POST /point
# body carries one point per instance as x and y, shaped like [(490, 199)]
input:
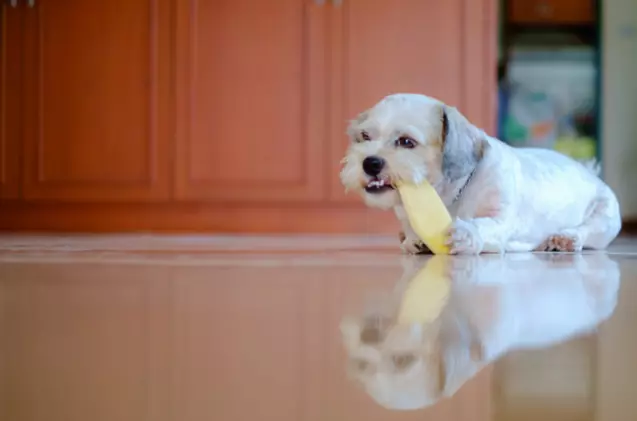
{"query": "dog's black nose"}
[(373, 165)]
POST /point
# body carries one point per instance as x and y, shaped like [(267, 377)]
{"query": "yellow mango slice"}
[(427, 215), (427, 293)]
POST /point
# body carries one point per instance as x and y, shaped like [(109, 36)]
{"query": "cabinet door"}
[(10, 47), (97, 120), (444, 49), (250, 92)]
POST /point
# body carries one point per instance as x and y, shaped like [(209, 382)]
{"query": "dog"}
[(493, 308), (501, 199)]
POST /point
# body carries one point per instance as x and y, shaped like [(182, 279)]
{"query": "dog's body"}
[(502, 199)]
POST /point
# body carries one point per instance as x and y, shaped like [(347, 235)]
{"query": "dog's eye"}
[(365, 136), (405, 142)]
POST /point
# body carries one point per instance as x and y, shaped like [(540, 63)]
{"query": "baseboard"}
[(171, 218), (205, 218)]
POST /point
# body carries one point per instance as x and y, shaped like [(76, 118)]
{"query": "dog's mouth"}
[(378, 185)]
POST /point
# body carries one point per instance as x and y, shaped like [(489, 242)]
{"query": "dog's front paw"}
[(414, 245), (463, 238)]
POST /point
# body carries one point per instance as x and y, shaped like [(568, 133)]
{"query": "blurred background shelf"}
[(549, 76)]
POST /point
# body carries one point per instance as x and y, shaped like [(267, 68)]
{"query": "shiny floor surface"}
[(311, 328)]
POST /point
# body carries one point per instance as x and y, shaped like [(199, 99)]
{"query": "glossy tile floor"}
[(311, 328)]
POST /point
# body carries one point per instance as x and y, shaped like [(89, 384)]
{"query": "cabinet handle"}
[(319, 2), (337, 3), (31, 3), (13, 3)]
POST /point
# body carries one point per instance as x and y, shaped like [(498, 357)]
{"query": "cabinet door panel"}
[(440, 49), (96, 100), (250, 100), (10, 82)]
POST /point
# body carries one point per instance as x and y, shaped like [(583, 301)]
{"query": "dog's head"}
[(411, 138), (406, 366), (400, 366)]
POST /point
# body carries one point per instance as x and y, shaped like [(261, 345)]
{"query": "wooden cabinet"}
[(219, 115), (551, 11), (96, 100), (251, 100)]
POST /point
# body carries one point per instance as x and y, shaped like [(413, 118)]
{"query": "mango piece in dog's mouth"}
[(427, 214)]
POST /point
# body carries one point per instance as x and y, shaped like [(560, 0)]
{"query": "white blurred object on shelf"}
[(561, 83)]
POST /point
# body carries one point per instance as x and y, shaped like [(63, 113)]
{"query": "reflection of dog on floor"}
[(496, 304), (502, 198)]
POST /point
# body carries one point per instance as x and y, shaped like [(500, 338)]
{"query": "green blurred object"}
[(577, 148), (516, 133)]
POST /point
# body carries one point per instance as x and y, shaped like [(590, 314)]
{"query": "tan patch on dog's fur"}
[(489, 205), (480, 146)]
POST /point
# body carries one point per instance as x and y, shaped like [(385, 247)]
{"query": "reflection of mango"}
[(426, 294), (427, 215)]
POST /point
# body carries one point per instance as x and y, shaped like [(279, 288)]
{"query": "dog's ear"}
[(461, 144)]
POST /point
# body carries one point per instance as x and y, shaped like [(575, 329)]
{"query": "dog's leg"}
[(413, 246), (478, 235), (600, 227), (409, 241)]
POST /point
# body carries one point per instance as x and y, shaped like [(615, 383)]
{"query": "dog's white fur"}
[(502, 199), (497, 304)]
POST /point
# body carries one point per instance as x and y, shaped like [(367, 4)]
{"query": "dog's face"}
[(400, 366), (411, 138), (406, 366)]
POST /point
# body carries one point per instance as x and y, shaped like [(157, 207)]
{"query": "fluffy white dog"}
[(502, 199)]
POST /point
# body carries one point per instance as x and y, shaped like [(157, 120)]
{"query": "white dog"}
[(502, 199)]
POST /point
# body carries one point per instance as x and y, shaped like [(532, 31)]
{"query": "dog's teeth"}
[(378, 183)]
